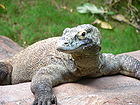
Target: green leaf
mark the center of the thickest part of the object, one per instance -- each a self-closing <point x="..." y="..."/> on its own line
<point x="87" y="7"/>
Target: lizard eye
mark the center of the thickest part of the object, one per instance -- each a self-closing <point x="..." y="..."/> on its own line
<point x="81" y="35"/>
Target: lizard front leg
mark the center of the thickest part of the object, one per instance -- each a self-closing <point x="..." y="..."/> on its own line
<point x="123" y="64"/>
<point x="129" y="66"/>
<point x="45" y="79"/>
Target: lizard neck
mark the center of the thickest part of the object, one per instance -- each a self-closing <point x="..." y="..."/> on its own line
<point x="87" y="62"/>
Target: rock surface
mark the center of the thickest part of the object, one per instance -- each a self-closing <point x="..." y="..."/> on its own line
<point x="8" y="47"/>
<point x="109" y="90"/>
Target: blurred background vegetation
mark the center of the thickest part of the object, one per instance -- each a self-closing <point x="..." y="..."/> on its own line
<point x="28" y="21"/>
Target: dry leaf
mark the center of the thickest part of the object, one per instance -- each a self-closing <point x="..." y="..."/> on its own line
<point x="66" y="8"/>
<point x="2" y="6"/>
<point x="102" y="24"/>
<point x="120" y="18"/>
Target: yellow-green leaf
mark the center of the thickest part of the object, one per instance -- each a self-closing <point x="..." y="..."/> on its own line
<point x="97" y="21"/>
<point x="2" y="6"/>
<point x="102" y="24"/>
<point x="105" y="25"/>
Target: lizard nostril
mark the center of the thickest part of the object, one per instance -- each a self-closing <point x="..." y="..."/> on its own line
<point x="66" y="43"/>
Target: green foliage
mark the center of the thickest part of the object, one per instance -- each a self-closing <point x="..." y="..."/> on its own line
<point x="121" y="39"/>
<point x="27" y="21"/>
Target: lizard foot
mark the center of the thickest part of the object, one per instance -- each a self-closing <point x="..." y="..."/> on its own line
<point x="45" y="100"/>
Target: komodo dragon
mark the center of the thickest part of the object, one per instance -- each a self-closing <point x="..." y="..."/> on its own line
<point x="57" y="60"/>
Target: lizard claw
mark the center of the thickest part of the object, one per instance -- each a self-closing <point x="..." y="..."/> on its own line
<point x="45" y="100"/>
<point x="54" y="100"/>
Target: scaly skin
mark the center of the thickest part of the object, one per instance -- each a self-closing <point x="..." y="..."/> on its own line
<point x="64" y="59"/>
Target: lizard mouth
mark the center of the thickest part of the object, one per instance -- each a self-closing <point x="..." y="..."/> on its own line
<point x="81" y="45"/>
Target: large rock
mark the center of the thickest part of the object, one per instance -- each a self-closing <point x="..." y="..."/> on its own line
<point x="109" y="90"/>
<point x="8" y="47"/>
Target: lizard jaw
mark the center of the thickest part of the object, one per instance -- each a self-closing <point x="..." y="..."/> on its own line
<point x="82" y="45"/>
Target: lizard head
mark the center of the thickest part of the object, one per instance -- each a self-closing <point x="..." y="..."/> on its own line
<point x="79" y="38"/>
